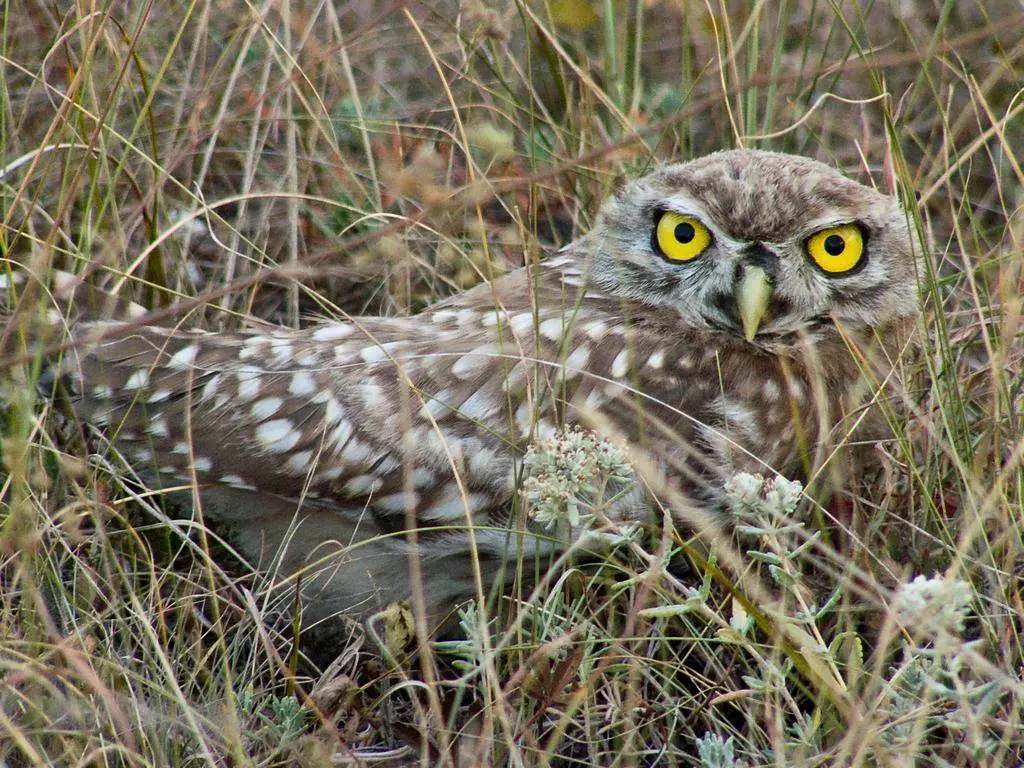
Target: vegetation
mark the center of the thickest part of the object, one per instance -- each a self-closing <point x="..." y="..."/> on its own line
<point x="279" y="159"/>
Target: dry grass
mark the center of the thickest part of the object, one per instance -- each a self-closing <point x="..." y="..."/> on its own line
<point x="277" y="159"/>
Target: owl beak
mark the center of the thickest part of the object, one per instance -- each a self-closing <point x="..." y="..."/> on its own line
<point x="752" y="295"/>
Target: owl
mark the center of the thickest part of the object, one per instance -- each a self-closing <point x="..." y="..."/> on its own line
<point x="732" y="313"/>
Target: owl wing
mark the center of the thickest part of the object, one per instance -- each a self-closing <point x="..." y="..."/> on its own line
<point x="423" y="416"/>
<point x="344" y="410"/>
<point x="420" y="416"/>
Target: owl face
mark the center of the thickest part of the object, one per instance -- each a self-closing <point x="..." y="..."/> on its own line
<point x="765" y="246"/>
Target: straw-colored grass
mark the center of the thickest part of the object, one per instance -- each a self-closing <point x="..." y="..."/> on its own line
<point x="273" y="160"/>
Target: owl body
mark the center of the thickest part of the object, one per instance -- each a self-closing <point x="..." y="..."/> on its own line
<point x="350" y="447"/>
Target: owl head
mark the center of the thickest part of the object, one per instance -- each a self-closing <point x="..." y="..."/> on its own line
<point x="764" y="246"/>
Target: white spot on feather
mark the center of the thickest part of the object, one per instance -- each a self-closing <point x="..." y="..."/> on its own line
<point x="137" y="380"/>
<point x="341" y="428"/>
<point x="485" y="463"/>
<point x="524" y="418"/>
<point x="211" y="386"/>
<point x="657" y="360"/>
<point x="265" y="408"/>
<point x="331" y="473"/>
<point x="356" y="452"/>
<point x="523" y="322"/>
<point x="202" y="464"/>
<point x="397" y="502"/>
<point x="443" y="316"/>
<point x="332" y="332"/>
<point x="248" y="382"/>
<point x="141" y="454"/>
<point x="372" y="354"/>
<point x="595" y="329"/>
<point x="252" y="348"/>
<point x="379" y="352"/>
<point x="302" y="383"/>
<point x="620" y="365"/>
<point x="612" y="390"/>
<point x="552" y="329"/>
<point x="385" y="465"/>
<point x="422" y="478"/>
<point x="363" y="485"/>
<point x="442" y="445"/>
<point x="334" y="411"/>
<point x="515" y="377"/>
<point x="371" y="394"/>
<point x="236" y="482"/>
<point x="453" y="507"/>
<point x="546" y="430"/>
<point x="478" y="406"/>
<point x="342" y="432"/>
<point x="493" y="318"/>
<point x="739" y="416"/>
<point x="595" y="399"/>
<point x="283" y="351"/>
<point x="578" y="360"/>
<point x="474" y="361"/>
<point x="307" y="358"/>
<point x="298" y="463"/>
<point x="436" y="406"/>
<point x="278" y="435"/>
<point x="183" y="358"/>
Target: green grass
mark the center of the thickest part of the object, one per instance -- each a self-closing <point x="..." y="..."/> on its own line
<point x="280" y="159"/>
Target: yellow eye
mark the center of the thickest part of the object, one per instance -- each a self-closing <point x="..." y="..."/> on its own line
<point x="837" y="250"/>
<point x="680" y="238"/>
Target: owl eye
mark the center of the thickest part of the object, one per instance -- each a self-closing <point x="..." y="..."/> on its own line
<point x="680" y="238"/>
<point x="837" y="250"/>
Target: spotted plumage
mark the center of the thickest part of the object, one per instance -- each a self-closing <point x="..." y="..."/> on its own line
<point x="331" y="443"/>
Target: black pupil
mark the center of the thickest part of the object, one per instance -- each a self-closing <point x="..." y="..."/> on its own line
<point x="685" y="232"/>
<point x="834" y="245"/>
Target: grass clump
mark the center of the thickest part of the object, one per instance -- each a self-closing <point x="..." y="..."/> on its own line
<point x="268" y="162"/>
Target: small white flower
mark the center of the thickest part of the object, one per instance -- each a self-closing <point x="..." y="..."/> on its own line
<point x="744" y="489"/>
<point x="567" y="471"/>
<point x="782" y="495"/>
<point x="933" y="605"/>
<point x="776" y="496"/>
